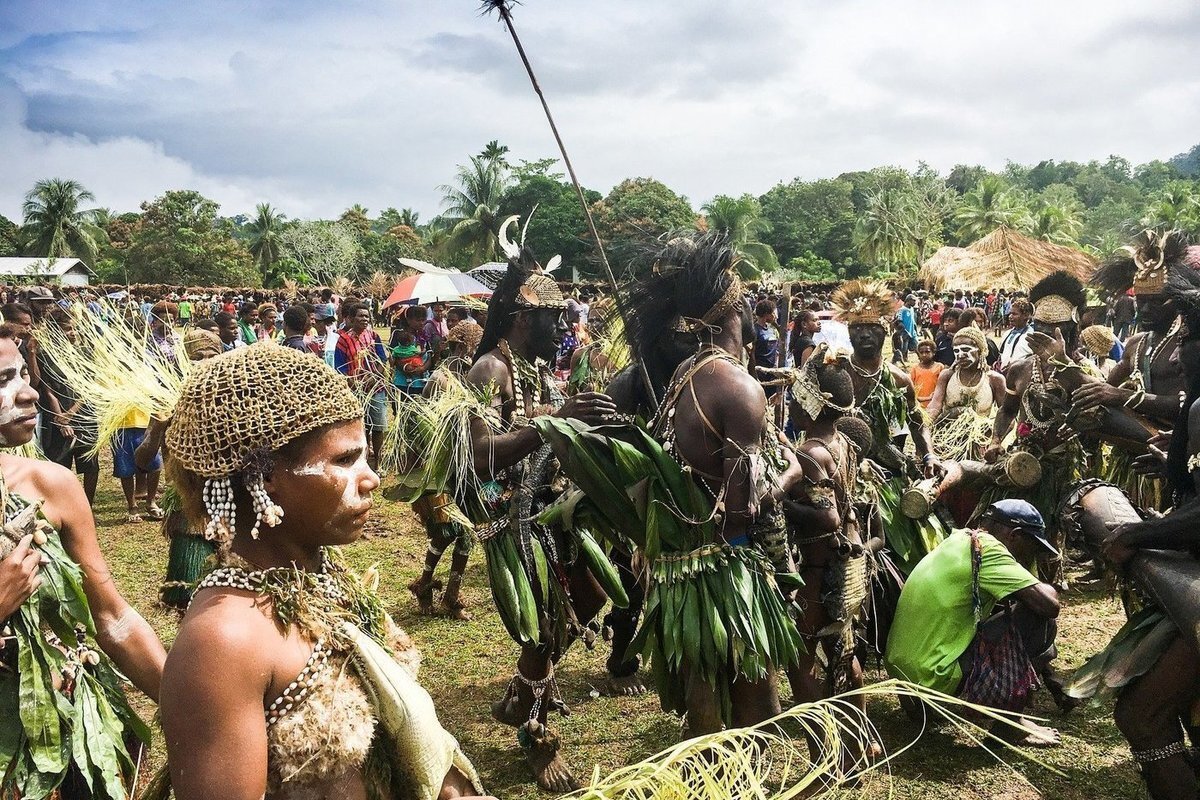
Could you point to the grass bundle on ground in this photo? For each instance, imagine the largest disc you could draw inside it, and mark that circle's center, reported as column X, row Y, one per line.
column 772, row 760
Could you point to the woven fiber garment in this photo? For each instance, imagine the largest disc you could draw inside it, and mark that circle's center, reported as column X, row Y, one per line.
column 253, row 399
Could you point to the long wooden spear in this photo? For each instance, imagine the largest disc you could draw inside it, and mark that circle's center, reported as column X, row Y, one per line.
column 504, row 9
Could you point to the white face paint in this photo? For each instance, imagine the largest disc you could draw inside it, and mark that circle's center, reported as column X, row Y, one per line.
column 12, row 374
column 315, row 468
column 966, row 355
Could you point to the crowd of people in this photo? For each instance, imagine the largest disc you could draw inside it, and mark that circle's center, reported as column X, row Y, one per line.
column 748, row 480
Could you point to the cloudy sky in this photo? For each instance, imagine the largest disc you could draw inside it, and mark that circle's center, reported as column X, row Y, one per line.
column 313, row 106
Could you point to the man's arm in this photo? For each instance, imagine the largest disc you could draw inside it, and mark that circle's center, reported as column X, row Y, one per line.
column 917, row 428
column 742, row 413
column 1014, row 383
column 494, row 451
column 1041, row 599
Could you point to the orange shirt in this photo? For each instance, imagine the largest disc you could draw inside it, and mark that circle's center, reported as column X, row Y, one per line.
column 925, row 381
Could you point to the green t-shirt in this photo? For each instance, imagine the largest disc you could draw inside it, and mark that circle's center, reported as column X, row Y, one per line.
column 934, row 622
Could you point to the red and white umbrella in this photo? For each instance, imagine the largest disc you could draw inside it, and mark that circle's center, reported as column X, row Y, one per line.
column 436, row 287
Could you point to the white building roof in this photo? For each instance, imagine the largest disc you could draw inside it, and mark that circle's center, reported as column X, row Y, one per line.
column 39, row 267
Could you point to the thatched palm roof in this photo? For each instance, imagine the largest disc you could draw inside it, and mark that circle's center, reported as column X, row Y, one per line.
column 1004, row 259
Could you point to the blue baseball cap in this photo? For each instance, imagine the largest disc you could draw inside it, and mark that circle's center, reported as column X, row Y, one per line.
column 1021, row 516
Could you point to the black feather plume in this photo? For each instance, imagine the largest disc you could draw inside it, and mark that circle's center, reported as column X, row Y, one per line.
column 1061, row 283
column 503, row 302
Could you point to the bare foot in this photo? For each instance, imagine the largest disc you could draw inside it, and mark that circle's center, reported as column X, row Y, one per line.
column 455, row 608
column 423, row 590
column 1029, row 734
column 627, row 686
column 541, row 752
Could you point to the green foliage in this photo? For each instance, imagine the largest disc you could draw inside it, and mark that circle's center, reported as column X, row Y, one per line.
column 741, row 218
column 636, row 217
column 472, row 207
column 903, row 218
column 10, row 237
column 323, row 250
column 814, row 218
column 54, row 224
column 381, row 252
column 1188, row 163
column 558, row 226
column 1176, row 205
column 992, row 203
column 264, row 243
column 179, row 240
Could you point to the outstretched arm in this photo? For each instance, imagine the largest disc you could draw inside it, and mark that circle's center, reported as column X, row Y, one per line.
column 120, row 630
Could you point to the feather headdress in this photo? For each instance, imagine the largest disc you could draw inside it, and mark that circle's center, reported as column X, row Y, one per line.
column 523, row 287
column 1142, row 264
column 861, row 302
column 1058, row 297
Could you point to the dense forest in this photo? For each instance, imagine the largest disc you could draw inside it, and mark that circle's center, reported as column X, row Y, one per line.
column 885, row 220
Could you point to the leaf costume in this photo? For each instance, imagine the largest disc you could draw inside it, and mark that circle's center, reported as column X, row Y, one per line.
column 712, row 609
column 79, row 726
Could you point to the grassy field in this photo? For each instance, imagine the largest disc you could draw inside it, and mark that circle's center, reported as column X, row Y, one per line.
column 467, row 665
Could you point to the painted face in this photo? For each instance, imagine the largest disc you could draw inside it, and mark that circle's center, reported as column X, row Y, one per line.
column 966, row 354
column 867, row 338
column 18, row 400
column 1155, row 312
column 547, row 328
column 328, row 485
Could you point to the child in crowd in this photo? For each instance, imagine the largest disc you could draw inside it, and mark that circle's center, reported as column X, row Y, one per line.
column 409, row 362
column 925, row 374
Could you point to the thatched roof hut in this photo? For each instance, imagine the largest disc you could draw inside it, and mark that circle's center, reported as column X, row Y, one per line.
column 1004, row 259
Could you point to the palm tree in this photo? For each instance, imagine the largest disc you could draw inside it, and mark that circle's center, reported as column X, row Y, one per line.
column 409, row 217
column 741, row 218
column 1056, row 224
column 265, row 244
column 882, row 233
column 494, row 151
column 55, row 226
column 988, row 206
column 1176, row 206
column 473, row 208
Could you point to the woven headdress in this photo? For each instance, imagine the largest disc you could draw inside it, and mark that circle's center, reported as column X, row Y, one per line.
column 975, row 335
column 1098, row 339
column 1142, row 264
column 243, row 405
column 860, row 302
column 468, row 334
column 1056, row 298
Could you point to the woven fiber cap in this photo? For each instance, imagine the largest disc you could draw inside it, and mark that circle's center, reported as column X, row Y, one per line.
column 253, row 399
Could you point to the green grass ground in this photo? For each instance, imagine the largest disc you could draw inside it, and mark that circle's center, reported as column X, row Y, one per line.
column 467, row 665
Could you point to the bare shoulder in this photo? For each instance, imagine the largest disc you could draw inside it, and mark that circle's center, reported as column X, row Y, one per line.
column 819, row 453
column 901, row 377
column 44, row 480
column 229, row 627
column 490, row 368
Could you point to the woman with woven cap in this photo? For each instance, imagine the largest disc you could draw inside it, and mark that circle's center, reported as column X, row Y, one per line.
column 965, row 399
column 284, row 681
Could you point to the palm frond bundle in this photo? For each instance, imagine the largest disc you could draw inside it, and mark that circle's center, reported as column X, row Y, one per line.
column 713, row 609
column 379, row 285
column 772, row 760
column 115, row 369
column 342, row 285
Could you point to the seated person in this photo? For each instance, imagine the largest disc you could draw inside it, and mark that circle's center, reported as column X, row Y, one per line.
column 947, row 634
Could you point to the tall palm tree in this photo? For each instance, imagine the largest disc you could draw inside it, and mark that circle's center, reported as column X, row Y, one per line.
column 882, row 232
column 54, row 224
column 265, row 244
column 1176, row 206
column 741, row 217
column 988, row 206
column 1052, row 223
column 472, row 208
column 409, row 217
column 494, row 151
